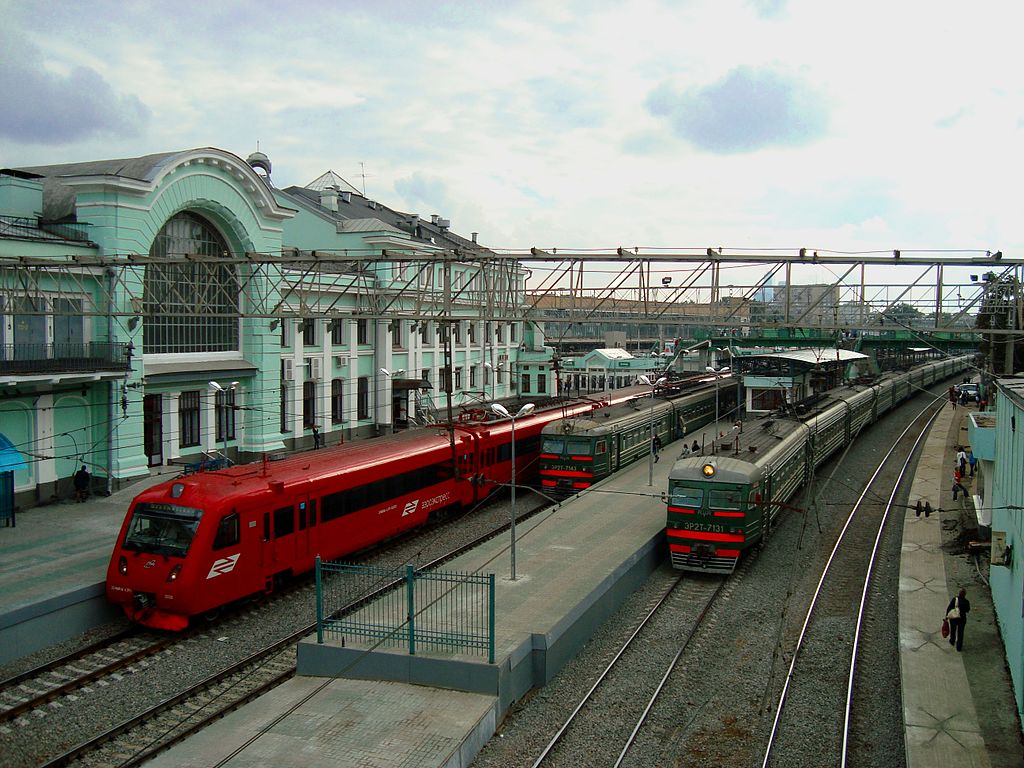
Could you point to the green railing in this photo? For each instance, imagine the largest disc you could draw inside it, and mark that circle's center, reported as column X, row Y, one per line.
column 429, row 610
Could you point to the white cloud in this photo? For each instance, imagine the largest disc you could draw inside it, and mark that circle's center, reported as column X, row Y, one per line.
column 758, row 122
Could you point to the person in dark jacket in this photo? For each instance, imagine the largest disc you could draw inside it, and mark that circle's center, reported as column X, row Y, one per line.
column 81, row 481
column 957, row 620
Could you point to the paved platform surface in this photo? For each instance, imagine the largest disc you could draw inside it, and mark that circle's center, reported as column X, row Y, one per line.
column 53, row 565
column 958, row 708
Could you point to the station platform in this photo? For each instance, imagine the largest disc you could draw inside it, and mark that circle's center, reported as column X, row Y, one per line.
column 53, row 565
column 958, row 707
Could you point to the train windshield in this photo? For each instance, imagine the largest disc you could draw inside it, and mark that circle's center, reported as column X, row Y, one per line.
column 555, row 445
column 561, row 446
column 691, row 498
column 726, row 499
column 163, row 529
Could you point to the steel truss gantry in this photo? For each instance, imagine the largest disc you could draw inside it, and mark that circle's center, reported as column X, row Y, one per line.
column 687, row 287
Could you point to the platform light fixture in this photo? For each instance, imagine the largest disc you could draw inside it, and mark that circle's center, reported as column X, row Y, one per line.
column 644, row 379
column 502, row 411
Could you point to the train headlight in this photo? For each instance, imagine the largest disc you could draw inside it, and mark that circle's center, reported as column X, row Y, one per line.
column 709, row 469
column 122, row 565
column 173, row 575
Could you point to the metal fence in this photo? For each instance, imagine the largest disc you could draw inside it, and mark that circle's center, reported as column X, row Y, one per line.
column 429, row 610
column 61, row 357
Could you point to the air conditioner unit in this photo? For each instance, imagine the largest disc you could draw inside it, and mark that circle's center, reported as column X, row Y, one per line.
column 315, row 368
column 1002, row 553
column 287, row 370
column 340, row 360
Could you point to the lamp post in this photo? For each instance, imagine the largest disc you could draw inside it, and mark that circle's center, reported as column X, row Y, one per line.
column 717, row 374
column 223, row 422
column 645, row 379
column 502, row 411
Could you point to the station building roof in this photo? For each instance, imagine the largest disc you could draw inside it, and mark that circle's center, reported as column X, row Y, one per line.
column 812, row 356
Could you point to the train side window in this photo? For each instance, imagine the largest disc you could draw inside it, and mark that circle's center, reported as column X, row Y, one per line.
column 602, row 447
column 266, row 526
column 311, row 513
column 284, row 521
column 228, row 532
column 302, row 515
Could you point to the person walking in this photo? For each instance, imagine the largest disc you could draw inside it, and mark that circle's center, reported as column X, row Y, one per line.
column 972, row 462
column 81, row 481
column 657, row 447
column 956, row 613
column 961, row 460
column 952, row 396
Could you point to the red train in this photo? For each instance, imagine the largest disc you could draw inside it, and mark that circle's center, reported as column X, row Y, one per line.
column 198, row 542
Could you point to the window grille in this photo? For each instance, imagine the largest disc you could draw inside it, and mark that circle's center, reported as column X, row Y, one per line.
column 192, row 307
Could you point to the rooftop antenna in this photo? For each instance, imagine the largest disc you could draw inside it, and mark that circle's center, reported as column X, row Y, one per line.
column 362, row 175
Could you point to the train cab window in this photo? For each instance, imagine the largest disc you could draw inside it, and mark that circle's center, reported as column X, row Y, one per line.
column 555, row 445
column 578, row 448
column 601, row 447
column 163, row 529
column 726, row 499
column 284, row 521
column 691, row 498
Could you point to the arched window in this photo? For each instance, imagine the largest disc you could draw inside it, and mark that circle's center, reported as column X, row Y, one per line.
column 190, row 307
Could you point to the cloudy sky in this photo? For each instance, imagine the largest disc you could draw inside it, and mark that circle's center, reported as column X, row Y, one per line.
column 746, row 124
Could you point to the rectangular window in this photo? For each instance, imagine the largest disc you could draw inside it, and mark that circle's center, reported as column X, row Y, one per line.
column 338, row 332
column 425, row 375
column 309, row 403
column 425, row 332
column 228, row 532
column 286, row 327
column 309, row 332
column 363, row 398
column 524, row 380
column 457, row 332
column 472, row 376
column 542, row 383
column 224, row 411
column 458, row 378
column 188, row 419
column 472, row 332
column 337, row 400
column 501, row 332
column 362, row 334
column 512, row 332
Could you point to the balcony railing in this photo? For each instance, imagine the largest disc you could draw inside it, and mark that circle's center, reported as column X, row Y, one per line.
column 63, row 357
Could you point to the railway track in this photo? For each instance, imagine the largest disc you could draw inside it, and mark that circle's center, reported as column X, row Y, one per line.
column 814, row 709
column 603, row 727
column 158, row 727
column 37, row 687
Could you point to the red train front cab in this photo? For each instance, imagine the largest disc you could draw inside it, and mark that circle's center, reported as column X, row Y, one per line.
column 149, row 568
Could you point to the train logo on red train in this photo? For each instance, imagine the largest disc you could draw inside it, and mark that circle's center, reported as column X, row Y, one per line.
column 223, row 565
column 410, row 508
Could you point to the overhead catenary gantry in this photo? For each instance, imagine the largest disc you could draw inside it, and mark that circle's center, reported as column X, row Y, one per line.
column 685, row 287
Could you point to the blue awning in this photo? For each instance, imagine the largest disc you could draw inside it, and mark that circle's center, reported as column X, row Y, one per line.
column 10, row 458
